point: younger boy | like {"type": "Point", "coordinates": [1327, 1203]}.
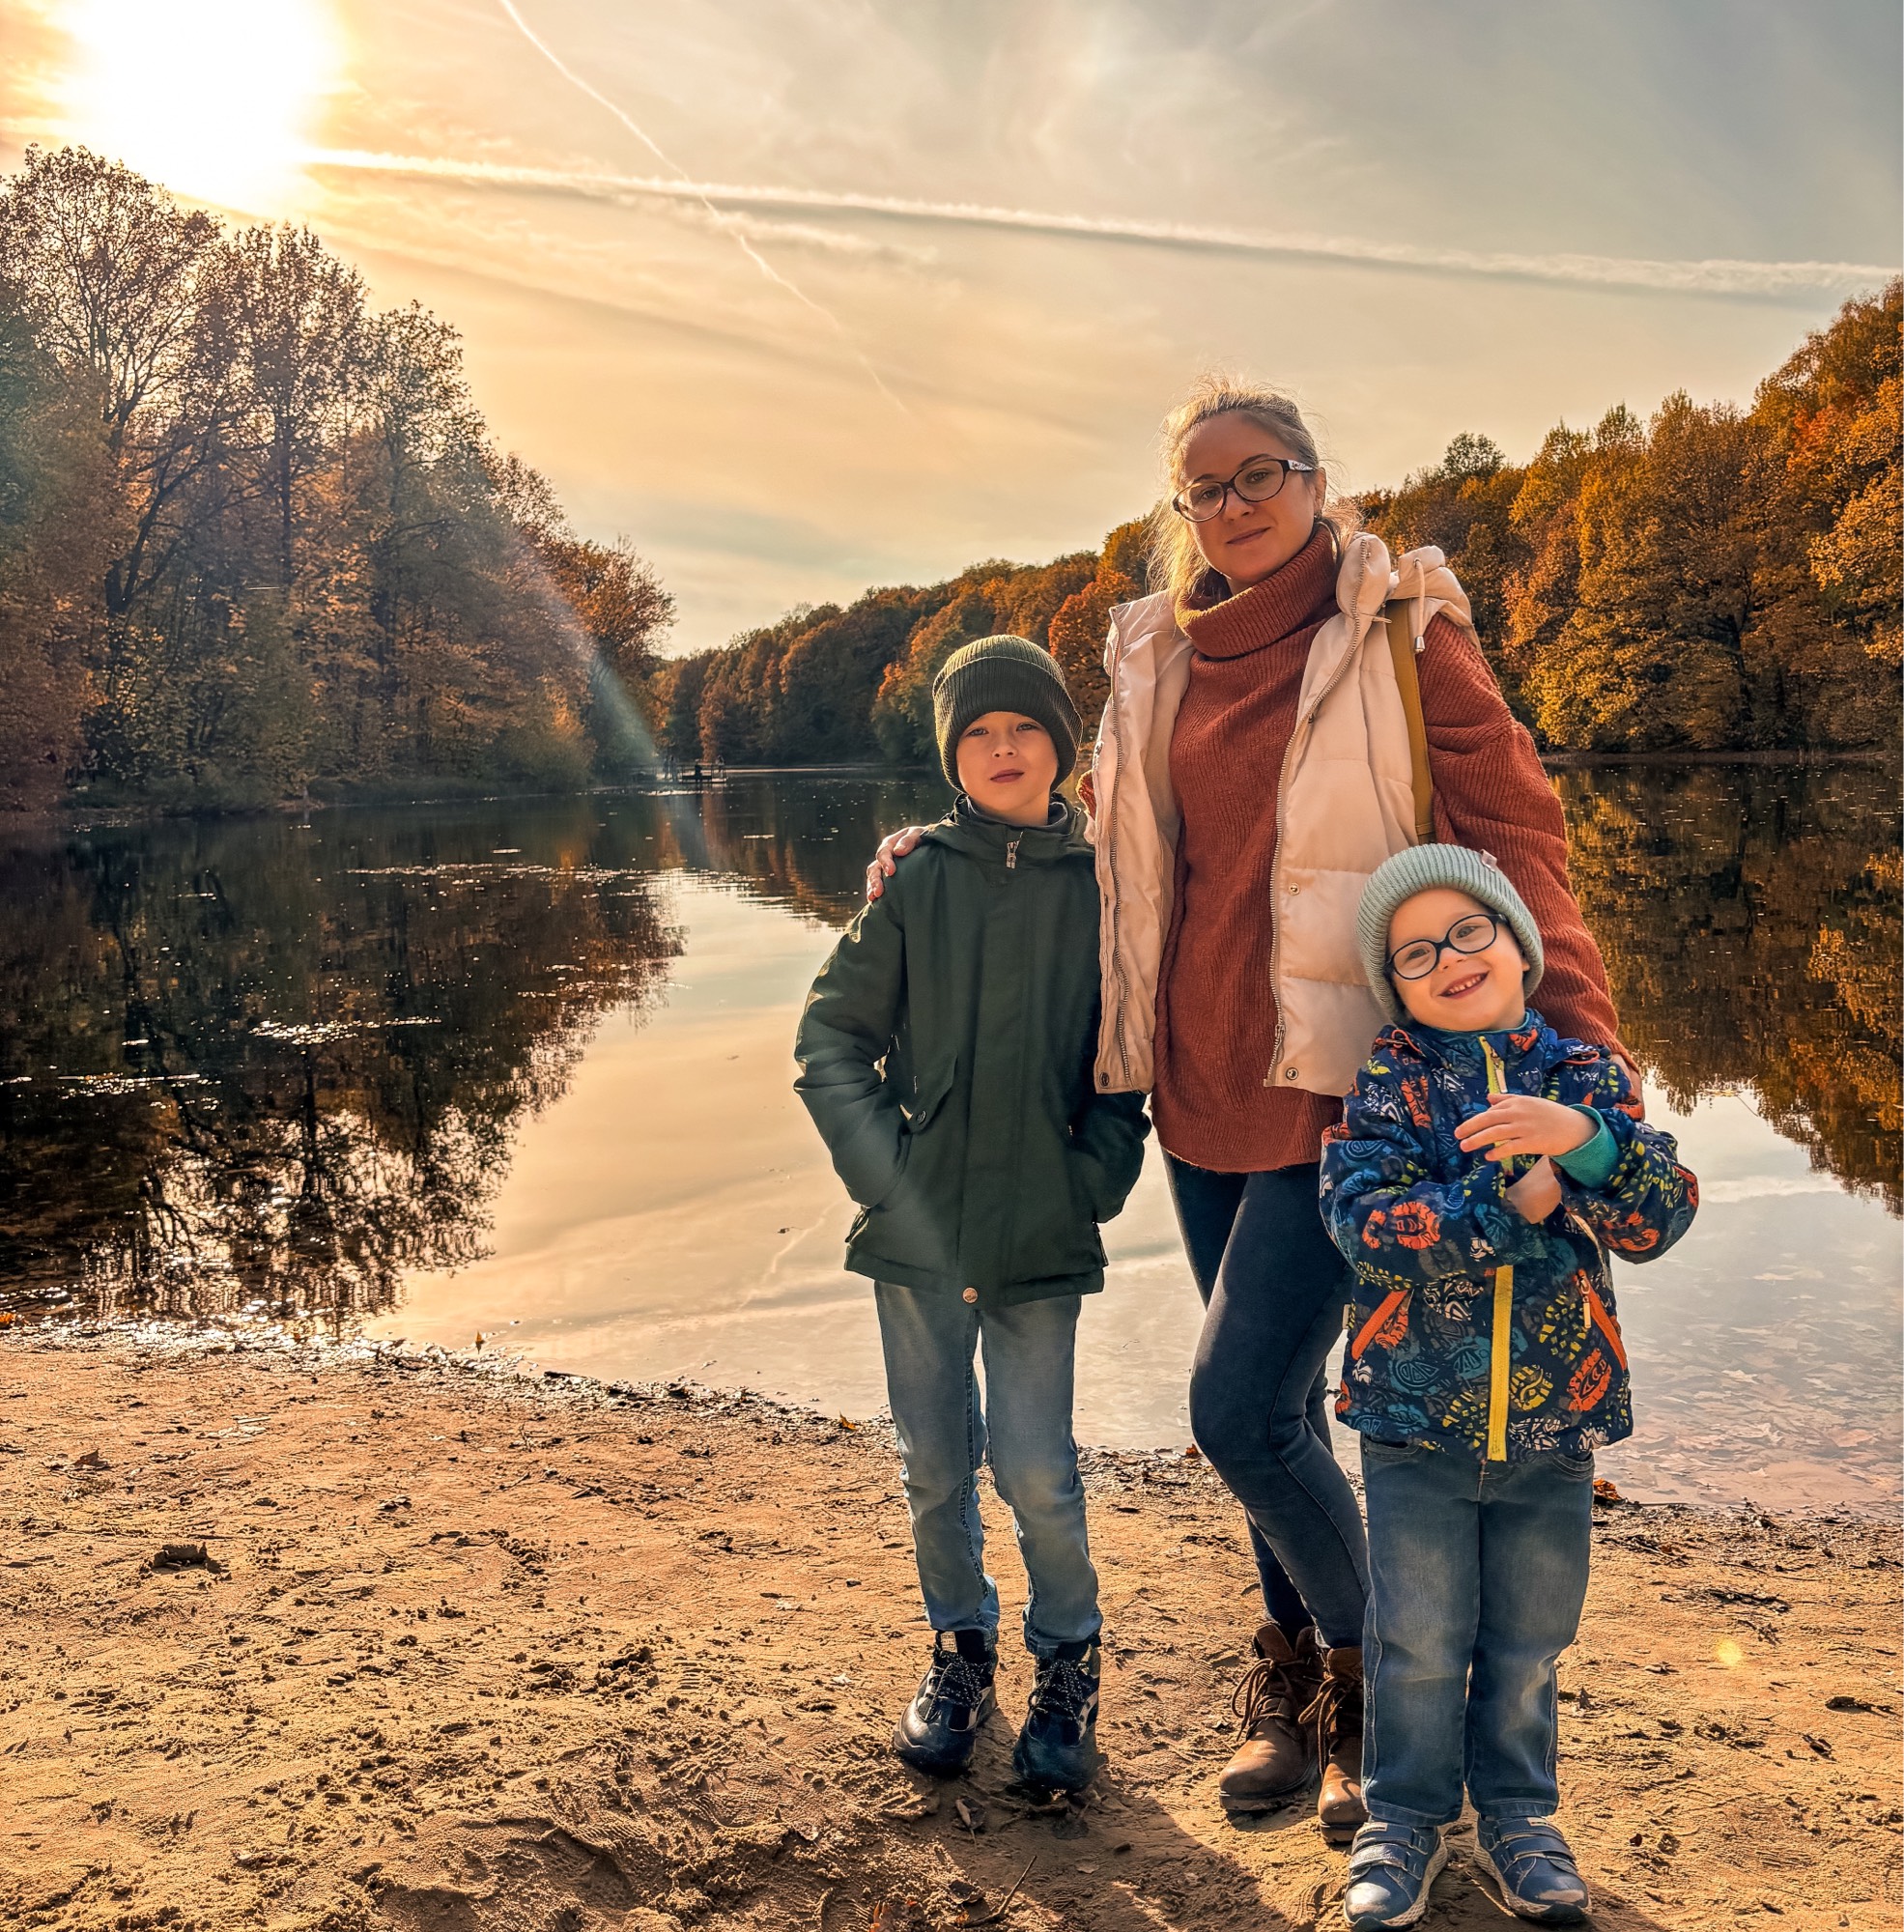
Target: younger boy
{"type": "Point", "coordinates": [1483, 1168]}
{"type": "Point", "coordinates": [944, 1056]}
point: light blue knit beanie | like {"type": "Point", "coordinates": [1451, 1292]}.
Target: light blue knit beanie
{"type": "Point", "coordinates": [1419, 869]}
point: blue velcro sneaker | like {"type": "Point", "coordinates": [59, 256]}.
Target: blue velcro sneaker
{"type": "Point", "coordinates": [1391, 1871]}
{"type": "Point", "coordinates": [1535, 1870]}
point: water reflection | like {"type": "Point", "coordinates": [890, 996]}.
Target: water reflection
{"type": "Point", "coordinates": [297, 1067]}
{"type": "Point", "coordinates": [260, 1064]}
{"type": "Point", "coordinates": [1749, 920]}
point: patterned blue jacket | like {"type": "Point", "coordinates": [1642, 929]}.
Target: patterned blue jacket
{"type": "Point", "coordinates": [1472, 1324]}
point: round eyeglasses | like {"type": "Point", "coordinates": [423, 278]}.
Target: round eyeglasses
{"type": "Point", "coordinates": [1256, 482]}
{"type": "Point", "coordinates": [1417, 959]}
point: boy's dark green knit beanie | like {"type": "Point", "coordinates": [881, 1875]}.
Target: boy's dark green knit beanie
{"type": "Point", "coordinates": [1002, 675]}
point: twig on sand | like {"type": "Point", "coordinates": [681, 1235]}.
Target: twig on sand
{"type": "Point", "coordinates": [1003, 1905]}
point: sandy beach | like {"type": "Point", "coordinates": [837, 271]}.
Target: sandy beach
{"type": "Point", "coordinates": [472, 1648]}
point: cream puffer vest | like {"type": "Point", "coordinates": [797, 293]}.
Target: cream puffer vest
{"type": "Point", "coordinates": [1346, 801]}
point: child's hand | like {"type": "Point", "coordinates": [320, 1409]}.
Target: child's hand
{"type": "Point", "coordinates": [1518, 1124]}
{"type": "Point", "coordinates": [1537, 1193]}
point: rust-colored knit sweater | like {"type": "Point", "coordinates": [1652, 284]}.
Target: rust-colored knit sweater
{"type": "Point", "coordinates": [1216, 1011]}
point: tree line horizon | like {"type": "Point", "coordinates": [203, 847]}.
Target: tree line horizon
{"type": "Point", "coordinates": [256, 540]}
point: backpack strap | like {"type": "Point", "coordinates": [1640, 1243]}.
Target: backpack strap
{"type": "Point", "coordinates": [1401, 649]}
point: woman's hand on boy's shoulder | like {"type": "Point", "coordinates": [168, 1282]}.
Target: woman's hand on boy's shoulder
{"type": "Point", "coordinates": [886, 862]}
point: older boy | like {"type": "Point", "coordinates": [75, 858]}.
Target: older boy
{"type": "Point", "coordinates": [944, 1056]}
{"type": "Point", "coordinates": [1483, 1168]}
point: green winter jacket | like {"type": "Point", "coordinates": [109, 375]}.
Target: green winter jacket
{"type": "Point", "coordinates": [944, 1055]}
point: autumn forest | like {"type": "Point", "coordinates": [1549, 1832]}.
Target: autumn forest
{"type": "Point", "coordinates": [256, 540]}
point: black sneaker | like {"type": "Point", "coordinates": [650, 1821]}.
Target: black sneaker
{"type": "Point", "coordinates": [1058, 1748]}
{"type": "Point", "coordinates": [954, 1697]}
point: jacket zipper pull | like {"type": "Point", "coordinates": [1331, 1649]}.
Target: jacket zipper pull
{"type": "Point", "coordinates": [1011, 855]}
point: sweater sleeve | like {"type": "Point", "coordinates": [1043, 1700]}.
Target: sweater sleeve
{"type": "Point", "coordinates": [1491, 794]}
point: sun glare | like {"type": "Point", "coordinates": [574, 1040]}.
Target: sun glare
{"type": "Point", "coordinates": [213, 98]}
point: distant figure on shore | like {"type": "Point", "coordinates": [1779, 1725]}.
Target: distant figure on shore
{"type": "Point", "coordinates": [946, 1058]}
{"type": "Point", "coordinates": [1263, 749]}
{"type": "Point", "coordinates": [1484, 1168]}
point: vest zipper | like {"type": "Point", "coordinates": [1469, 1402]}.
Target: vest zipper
{"type": "Point", "coordinates": [1500, 1350]}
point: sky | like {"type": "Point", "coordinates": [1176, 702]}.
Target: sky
{"type": "Point", "coordinates": [810, 296]}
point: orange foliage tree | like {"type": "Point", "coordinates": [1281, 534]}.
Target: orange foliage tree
{"type": "Point", "coordinates": [304, 559]}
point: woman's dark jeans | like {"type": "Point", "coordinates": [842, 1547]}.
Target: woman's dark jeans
{"type": "Point", "coordinates": [1275, 1287]}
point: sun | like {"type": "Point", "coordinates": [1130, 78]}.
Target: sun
{"type": "Point", "coordinates": [213, 99]}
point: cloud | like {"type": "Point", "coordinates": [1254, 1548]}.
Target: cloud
{"type": "Point", "coordinates": [1719, 278]}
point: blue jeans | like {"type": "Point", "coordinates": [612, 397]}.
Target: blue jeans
{"type": "Point", "coordinates": [930, 1338]}
{"type": "Point", "coordinates": [1274, 1287]}
{"type": "Point", "coordinates": [1478, 1572]}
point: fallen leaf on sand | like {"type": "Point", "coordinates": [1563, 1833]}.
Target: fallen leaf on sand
{"type": "Point", "coordinates": [971, 1814]}
{"type": "Point", "coordinates": [92, 1460]}
{"type": "Point", "coordinates": [1605, 1493]}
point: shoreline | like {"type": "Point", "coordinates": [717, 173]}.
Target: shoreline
{"type": "Point", "coordinates": [74, 815]}
{"type": "Point", "coordinates": [699, 1611]}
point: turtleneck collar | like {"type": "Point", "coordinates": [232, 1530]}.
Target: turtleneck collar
{"type": "Point", "coordinates": [1299, 596]}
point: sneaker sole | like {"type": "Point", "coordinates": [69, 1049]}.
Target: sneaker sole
{"type": "Point", "coordinates": [1536, 1915]}
{"type": "Point", "coordinates": [1417, 1912]}
{"type": "Point", "coordinates": [1542, 1914]}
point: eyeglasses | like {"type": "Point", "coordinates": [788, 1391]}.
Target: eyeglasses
{"type": "Point", "coordinates": [1256, 482]}
{"type": "Point", "coordinates": [1417, 959]}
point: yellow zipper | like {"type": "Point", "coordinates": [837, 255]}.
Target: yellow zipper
{"type": "Point", "coordinates": [1501, 1356]}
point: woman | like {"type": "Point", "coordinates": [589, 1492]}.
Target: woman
{"type": "Point", "coordinates": [1253, 769]}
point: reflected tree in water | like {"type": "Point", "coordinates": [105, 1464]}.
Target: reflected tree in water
{"type": "Point", "coordinates": [1750, 926]}
{"type": "Point", "coordinates": [247, 1066]}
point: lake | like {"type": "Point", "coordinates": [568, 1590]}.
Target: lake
{"type": "Point", "coordinates": [521, 1068]}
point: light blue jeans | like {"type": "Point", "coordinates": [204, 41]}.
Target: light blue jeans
{"type": "Point", "coordinates": [931, 1339]}
{"type": "Point", "coordinates": [1477, 1571]}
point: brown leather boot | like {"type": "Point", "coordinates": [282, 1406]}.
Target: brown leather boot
{"type": "Point", "coordinates": [1336, 1713]}
{"type": "Point", "coordinates": [1278, 1753]}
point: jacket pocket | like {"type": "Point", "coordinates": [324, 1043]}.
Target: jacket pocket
{"type": "Point", "coordinates": [1089, 1186]}
{"type": "Point", "coordinates": [1385, 1326]}
{"type": "Point", "coordinates": [1602, 1320]}
{"type": "Point", "coordinates": [929, 1095]}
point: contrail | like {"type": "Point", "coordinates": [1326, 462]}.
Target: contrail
{"type": "Point", "coordinates": [1721, 277]}
{"type": "Point", "coordinates": [684, 185]}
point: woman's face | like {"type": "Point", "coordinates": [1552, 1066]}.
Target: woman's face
{"type": "Point", "coordinates": [1245, 542]}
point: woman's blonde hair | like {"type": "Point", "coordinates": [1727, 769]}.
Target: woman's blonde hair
{"type": "Point", "coordinates": [1175, 563]}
